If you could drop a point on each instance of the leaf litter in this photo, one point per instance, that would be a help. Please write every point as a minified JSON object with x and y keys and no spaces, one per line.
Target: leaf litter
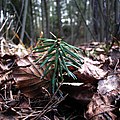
{"x":24,"y":92}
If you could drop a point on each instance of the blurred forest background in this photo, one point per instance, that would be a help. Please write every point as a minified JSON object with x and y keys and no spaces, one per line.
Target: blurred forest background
{"x":76,"y":21}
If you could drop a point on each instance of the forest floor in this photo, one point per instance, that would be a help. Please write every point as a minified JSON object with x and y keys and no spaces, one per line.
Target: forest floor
{"x":94,"y":95}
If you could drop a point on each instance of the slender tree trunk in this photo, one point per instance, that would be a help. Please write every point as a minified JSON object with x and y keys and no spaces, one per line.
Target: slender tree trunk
{"x":35,"y":18}
{"x":52,"y":19}
{"x":31,"y":22}
{"x":71,"y":23}
{"x":0,"y":16}
{"x":0,"y":10}
{"x":116,"y":11}
{"x":107,"y":20}
{"x":58,"y":9}
{"x":18,"y":17}
{"x":43,"y":18}
{"x":116,"y":29}
{"x":46,"y":4}
{"x":100,"y":2}
{"x":24,"y":20}
{"x":95,"y":20}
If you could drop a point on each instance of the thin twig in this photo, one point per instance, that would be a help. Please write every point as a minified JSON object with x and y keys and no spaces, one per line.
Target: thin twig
{"x":116,"y":65}
{"x":3,"y":24}
{"x":47,"y":107}
{"x":84,"y":20}
{"x":19,"y":19}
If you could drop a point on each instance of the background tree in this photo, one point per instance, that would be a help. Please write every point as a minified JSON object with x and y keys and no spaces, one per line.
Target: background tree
{"x":74,"y":20}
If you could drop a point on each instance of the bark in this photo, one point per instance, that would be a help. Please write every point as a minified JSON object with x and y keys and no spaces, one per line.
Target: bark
{"x":31,"y":22}
{"x":72,"y":26}
{"x":46,"y":2}
{"x":107,"y":21}
{"x":58,"y":9}
{"x":0,"y":15}
{"x":95,"y":17}
{"x":45,"y":17}
{"x":24,"y":21}
{"x":116,"y":11}
{"x":100,"y":3}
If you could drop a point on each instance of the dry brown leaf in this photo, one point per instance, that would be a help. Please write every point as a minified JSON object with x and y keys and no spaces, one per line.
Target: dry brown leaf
{"x":89,"y":72}
{"x":100,"y":108}
{"x":112,"y":82}
{"x":29,"y":79}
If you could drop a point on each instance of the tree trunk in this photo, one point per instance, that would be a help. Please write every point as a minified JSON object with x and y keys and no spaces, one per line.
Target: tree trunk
{"x":116,"y":11}
{"x":43,"y":17}
{"x":24,"y":20}
{"x":0,"y":16}
{"x":47,"y":17}
{"x":58,"y":10}
{"x":107,"y":21}
{"x":71,"y":23}
{"x":95,"y":20}
{"x":31,"y":22}
{"x":100,"y":2}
